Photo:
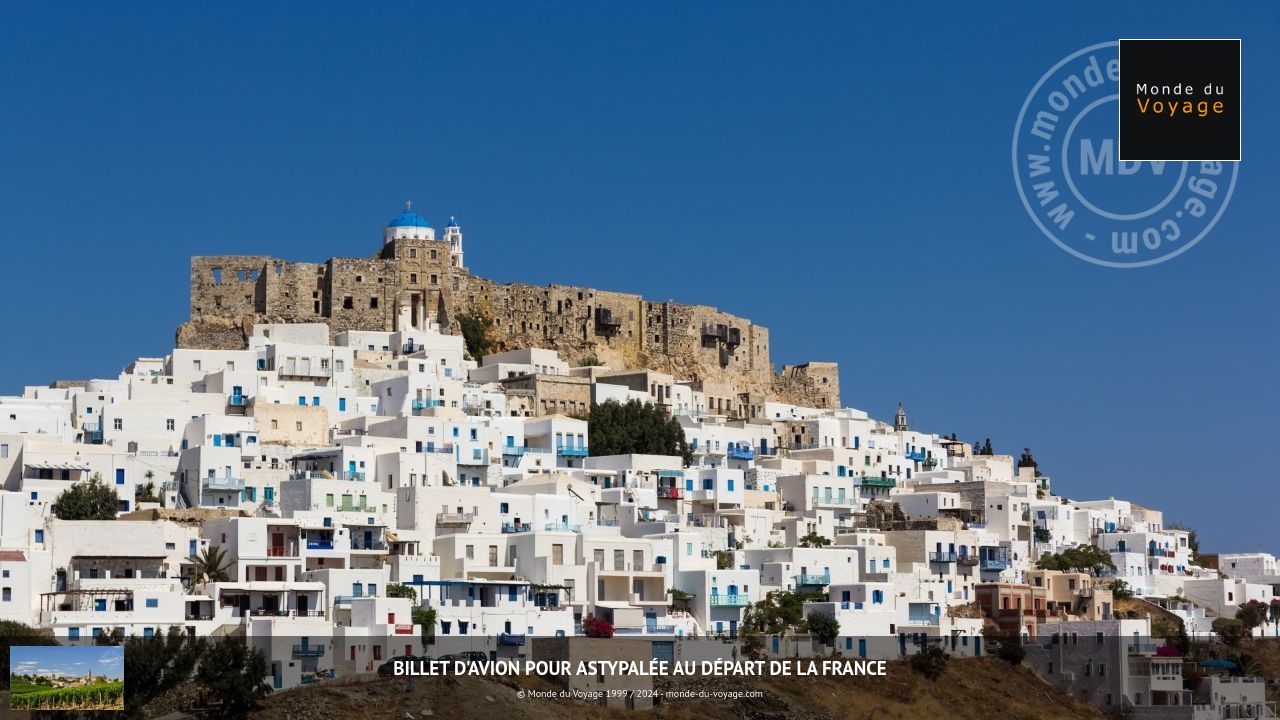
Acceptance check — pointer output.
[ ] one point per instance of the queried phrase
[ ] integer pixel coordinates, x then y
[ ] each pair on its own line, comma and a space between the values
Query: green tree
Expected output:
724, 559
1120, 590
1231, 631
425, 617
395, 590
89, 500
1084, 558
235, 676
635, 428
1004, 646
1252, 614
931, 661
814, 540
156, 665
209, 566
824, 627
778, 612
475, 333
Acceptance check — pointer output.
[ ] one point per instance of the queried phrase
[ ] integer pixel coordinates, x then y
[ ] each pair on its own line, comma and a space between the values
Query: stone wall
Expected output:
622, 330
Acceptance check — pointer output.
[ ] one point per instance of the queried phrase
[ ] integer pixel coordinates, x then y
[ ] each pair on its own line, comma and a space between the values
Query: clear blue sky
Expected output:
858, 156
71, 660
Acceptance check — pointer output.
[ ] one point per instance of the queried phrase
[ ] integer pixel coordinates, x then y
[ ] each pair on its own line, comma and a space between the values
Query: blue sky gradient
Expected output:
839, 174
67, 660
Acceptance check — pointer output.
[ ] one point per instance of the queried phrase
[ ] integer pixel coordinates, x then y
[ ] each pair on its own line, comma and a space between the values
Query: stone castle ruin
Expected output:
415, 270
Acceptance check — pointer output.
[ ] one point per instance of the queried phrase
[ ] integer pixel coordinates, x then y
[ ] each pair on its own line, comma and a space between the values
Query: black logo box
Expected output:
1189, 64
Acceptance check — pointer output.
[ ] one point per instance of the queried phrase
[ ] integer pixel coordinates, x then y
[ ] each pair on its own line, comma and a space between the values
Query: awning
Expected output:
57, 466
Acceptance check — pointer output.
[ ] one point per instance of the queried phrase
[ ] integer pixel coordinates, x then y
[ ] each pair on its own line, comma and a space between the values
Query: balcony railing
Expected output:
93, 432
237, 401
917, 456
282, 551
308, 651
735, 600
879, 482
673, 493
562, 527
370, 545
967, 559
426, 403
567, 451
304, 370
513, 451
516, 528
942, 557
347, 506
741, 453
319, 544
454, 519
995, 565
511, 639
807, 579
223, 484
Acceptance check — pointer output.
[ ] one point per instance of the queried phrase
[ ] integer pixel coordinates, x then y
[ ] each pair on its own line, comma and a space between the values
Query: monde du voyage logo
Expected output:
1167, 192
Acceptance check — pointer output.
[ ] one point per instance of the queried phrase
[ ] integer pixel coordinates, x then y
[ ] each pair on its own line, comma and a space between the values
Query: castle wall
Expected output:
621, 330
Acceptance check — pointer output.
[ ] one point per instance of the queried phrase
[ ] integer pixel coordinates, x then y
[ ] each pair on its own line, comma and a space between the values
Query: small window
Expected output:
348, 303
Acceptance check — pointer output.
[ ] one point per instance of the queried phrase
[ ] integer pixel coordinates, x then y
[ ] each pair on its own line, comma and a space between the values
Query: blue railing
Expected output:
918, 456
807, 579
741, 453
563, 527
424, 403
995, 565
736, 600
223, 483
513, 451
317, 545
511, 639
237, 401
566, 451
516, 527
308, 650
845, 604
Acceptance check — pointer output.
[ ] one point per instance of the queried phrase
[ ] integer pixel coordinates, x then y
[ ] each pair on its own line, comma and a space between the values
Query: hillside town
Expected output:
340, 495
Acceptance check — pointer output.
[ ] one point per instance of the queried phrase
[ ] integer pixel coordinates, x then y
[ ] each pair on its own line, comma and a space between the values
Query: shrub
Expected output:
930, 662
594, 627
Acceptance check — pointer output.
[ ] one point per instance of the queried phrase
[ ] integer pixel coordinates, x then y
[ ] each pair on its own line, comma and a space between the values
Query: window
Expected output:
39, 536
73, 633
298, 426
373, 303
275, 424
348, 303
153, 602
4, 451
413, 252
413, 278
6, 595
118, 424
169, 425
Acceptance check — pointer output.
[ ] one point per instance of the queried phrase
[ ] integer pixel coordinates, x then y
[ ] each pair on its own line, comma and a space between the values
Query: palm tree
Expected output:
209, 566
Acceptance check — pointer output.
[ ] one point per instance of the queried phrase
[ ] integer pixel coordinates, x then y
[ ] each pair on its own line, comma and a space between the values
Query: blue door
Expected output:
862, 647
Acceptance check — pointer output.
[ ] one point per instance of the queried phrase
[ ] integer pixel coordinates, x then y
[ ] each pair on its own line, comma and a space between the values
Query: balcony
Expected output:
970, 560
736, 600
806, 579
300, 651
282, 551
917, 456
567, 451
825, 500
295, 369
510, 639
319, 544
93, 433
513, 451
454, 519
741, 453
420, 404
238, 401
349, 506
223, 484
509, 528
672, 493
994, 565
562, 527
342, 599
942, 557
878, 482
380, 545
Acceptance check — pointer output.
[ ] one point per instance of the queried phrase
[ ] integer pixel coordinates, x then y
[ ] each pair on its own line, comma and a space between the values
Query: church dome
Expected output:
408, 218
